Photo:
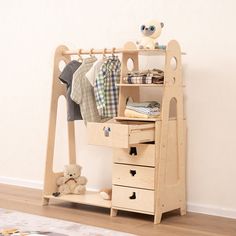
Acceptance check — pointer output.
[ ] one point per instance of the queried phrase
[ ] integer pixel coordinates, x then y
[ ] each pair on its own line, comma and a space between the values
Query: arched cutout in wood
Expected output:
173, 63
173, 108
61, 65
130, 64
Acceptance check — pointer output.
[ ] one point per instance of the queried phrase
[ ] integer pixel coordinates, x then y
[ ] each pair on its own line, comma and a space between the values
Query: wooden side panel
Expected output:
58, 89
125, 92
170, 174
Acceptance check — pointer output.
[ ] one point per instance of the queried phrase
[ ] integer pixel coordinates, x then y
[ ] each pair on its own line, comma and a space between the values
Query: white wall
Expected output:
31, 30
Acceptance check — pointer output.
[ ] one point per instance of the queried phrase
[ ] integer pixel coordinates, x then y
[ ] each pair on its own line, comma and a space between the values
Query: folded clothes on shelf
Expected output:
134, 114
145, 110
148, 109
149, 104
154, 76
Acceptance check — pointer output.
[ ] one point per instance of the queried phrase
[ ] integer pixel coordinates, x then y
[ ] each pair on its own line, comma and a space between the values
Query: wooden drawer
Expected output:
133, 176
139, 200
120, 134
141, 154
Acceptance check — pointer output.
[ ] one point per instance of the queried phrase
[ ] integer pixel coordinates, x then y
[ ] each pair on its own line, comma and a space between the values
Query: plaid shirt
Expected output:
82, 92
105, 89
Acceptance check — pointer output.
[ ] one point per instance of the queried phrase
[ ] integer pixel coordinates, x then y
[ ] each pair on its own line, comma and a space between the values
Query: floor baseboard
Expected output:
21, 182
211, 210
191, 207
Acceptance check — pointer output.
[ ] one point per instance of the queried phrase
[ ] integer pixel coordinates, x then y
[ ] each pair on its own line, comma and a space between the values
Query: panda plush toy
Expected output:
150, 31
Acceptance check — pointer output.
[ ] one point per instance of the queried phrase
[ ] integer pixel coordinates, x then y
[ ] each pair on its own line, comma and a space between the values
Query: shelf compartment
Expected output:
91, 198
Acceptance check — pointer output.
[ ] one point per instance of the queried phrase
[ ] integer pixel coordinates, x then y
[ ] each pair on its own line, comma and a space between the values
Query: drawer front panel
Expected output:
119, 135
141, 154
108, 134
133, 176
133, 199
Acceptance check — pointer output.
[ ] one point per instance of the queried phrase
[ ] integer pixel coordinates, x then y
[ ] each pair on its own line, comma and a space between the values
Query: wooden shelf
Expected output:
148, 52
90, 198
148, 85
140, 85
137, 119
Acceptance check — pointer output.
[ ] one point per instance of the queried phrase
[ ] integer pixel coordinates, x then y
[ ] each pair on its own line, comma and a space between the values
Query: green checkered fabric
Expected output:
105, 89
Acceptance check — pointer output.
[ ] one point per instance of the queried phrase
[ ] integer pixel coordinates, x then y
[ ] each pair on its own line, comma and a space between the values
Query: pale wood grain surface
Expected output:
29, 200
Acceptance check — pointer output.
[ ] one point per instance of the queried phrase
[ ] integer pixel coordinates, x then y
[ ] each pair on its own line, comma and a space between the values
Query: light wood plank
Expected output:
89, 198
133, 176
29, 201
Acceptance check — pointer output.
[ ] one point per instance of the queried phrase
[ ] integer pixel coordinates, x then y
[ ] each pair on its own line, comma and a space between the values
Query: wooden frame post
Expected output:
58, 89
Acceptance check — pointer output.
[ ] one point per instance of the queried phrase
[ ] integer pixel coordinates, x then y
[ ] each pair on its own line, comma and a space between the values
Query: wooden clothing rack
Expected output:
153, 180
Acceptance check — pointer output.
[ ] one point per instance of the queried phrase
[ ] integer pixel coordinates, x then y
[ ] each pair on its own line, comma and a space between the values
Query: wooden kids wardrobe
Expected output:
148, 154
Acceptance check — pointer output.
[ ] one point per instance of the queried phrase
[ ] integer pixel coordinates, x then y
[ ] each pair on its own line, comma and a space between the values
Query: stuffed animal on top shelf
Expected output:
151, 30
72, 181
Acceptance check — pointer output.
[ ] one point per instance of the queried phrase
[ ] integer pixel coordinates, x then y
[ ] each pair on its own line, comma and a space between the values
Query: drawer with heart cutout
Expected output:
133, 176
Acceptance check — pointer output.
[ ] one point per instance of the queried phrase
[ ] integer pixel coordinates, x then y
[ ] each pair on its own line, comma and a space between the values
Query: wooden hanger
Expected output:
80, 59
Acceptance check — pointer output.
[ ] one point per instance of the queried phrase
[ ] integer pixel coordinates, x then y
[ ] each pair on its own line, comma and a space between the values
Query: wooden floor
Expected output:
29, 200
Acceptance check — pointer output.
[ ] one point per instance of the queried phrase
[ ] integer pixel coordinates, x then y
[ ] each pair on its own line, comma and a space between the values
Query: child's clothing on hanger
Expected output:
105, 89
82, 92
73, 109
93, 72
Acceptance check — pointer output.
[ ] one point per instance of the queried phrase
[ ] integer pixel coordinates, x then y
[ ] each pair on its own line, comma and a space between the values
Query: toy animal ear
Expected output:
162, 24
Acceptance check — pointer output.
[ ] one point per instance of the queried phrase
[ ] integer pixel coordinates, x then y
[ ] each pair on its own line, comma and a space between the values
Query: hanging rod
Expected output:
95, 51
116, 51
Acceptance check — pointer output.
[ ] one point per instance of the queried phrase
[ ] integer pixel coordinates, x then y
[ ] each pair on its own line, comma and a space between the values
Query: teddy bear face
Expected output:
72, 171
152, 29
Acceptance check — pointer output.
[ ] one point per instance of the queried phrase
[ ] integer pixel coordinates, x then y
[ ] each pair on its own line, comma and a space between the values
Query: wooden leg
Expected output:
182, 211
113, 212
45, 201
157, 218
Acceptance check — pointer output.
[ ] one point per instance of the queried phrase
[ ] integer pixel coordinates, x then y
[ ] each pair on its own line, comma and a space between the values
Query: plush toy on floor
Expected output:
150, 31
72, 181
106, 193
